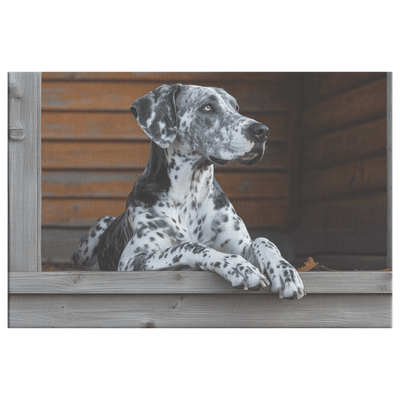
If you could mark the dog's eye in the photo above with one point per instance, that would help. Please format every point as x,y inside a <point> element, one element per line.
<point>207,108</point>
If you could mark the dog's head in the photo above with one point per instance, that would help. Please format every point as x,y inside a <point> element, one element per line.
<point>203,119</point>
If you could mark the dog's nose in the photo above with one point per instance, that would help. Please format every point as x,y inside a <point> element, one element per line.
<point>259,131</point>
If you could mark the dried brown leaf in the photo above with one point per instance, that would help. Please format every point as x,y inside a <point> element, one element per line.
<point>308,265</point>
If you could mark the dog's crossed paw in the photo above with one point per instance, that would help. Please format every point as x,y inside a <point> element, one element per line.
<point>244,275</point>
<point>286,281</point>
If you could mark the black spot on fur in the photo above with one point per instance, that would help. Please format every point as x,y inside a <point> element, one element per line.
<point>112,243</point>
<point>177,258</point>
<point>219,197</point>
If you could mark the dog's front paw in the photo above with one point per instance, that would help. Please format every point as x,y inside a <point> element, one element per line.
<point>242,274</point>
<point>285,280</point>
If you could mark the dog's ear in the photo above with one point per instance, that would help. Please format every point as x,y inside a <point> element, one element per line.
<point>156,114</point>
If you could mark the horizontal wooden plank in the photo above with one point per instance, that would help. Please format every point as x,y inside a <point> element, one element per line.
<point>119,184</point>
<point>367,174</point>
<point>60,125</point>
<point>366,212</point>
<point>104,184</point>
<point>83,212</point>
<point>365,103</point>
<point>169,77</point>
<point>345,145</point>
<point>319,85</point>
<point>94,155</point>
<point>182,282</point>
<point>199,311</point>
<point>340,241</point>
<point>58,245</point>
<point>118,96</point>
<point>133,155</point>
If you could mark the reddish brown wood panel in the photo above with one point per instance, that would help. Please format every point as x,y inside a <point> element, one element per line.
<point>171,77</point>
<point>83,212</point>
<point>60,125</point>
<point>349,144</point>
<point>118,184</point>
<point>94,154</point>
<point>319,85</point>
<point>355,106</point>
<point>118,96</point>
<point>93,149</point>
<point>132,155</point>
<point>363,175</point>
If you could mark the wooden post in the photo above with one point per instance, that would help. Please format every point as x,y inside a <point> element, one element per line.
<point>24,189</point>
<point>389,169</point>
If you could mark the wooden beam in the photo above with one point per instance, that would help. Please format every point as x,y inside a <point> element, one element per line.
<point>390,168</point>
<point>24,171</point>
<point>168,282</point>
<point>193,311</point>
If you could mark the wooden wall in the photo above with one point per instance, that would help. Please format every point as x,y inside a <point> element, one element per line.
<point>93,150</point>
<point>343,190</point>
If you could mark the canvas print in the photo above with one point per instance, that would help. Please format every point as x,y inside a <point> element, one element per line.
<point>256,182</point>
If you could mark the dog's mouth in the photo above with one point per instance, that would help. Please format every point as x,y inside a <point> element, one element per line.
<point>251,158</point>
<point>219,161</point>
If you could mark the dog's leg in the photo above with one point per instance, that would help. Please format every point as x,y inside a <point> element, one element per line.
<point>86,254</point>
<point>232,267</point>
<point>260,252</point>
<point>284,277</point>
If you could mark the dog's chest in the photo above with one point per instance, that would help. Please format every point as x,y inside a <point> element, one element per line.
<point>193,218</point>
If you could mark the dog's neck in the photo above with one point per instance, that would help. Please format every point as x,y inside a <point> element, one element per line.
<point>191,174</point>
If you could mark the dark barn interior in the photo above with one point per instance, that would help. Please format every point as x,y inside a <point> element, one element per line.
<point>320,191</point>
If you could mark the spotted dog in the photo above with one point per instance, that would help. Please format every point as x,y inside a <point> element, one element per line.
<point>177,216</point>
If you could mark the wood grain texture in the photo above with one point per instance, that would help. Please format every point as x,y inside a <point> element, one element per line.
<point>363,175</point>
<point>357,214</point>
<point>354,225</point>
<point>390,175</point>
<point>94,155</point>
<point>356,106</point>
<point>192,310</point>
<point>118,96</point>
<point>354,240</point>
<point>75,125</point>
<point>130,155</point>
<point>320,85</point>
<point>167,282</point>
<point>171,77</point>
<point>58,245</point>
<point>24,178</point>
<point>118,184</point>
<point>346,145</point>
<point>83,212</point>
<point>61,125</point>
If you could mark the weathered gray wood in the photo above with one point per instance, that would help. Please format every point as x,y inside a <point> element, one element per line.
<point>24,171</point>
<point>211,310</point>
<point>185,282</point>
<point>390,135</point>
